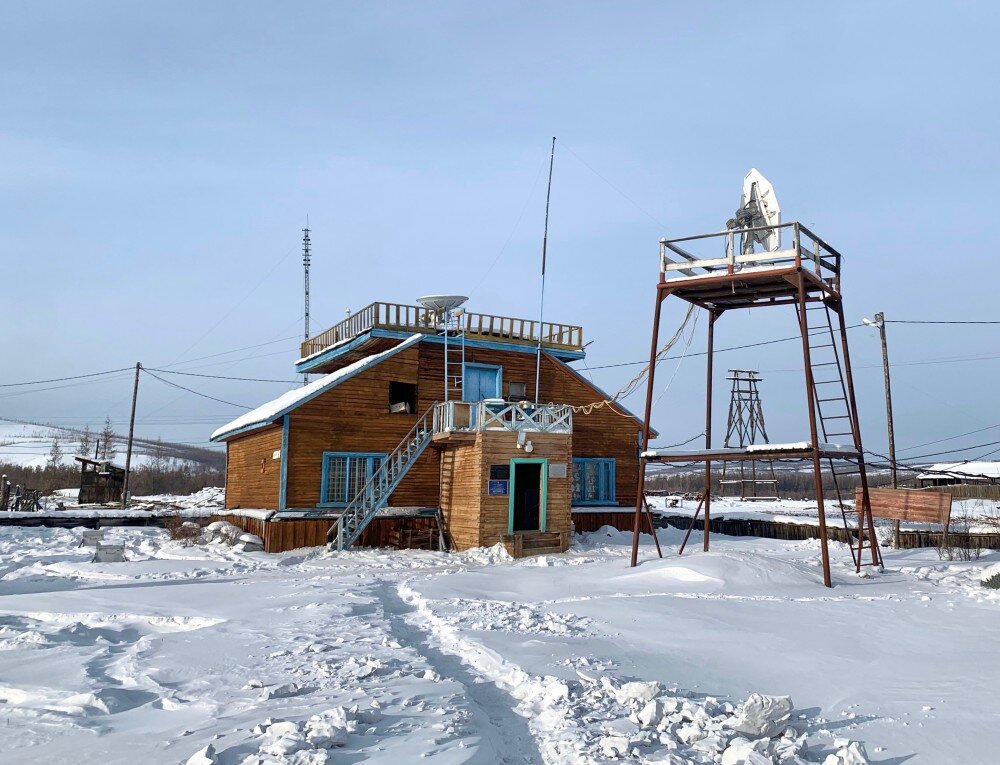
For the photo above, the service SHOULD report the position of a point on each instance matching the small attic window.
(517, 391)
(402, 397)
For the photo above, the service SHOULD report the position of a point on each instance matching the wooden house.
(413, 417)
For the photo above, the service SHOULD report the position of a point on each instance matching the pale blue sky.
(159, 161)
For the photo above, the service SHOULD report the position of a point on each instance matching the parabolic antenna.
(442, 303)
(758, 207)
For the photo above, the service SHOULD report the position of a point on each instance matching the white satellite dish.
(758, 207)
(442, 303)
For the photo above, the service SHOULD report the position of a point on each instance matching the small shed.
(101, 482)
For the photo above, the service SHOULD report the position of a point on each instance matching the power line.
(949, 438)
(921, 321)
(197, 393)
(723, 350)
(950, 451)
(223, 377)
(63, 379)
(237, 350)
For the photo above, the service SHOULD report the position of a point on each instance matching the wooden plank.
(908, 505)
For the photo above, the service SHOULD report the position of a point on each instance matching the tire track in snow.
(506, 734)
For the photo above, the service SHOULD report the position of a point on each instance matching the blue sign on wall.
(498, 487)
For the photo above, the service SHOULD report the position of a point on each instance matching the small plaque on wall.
(498, 487)
(557, 470)
(500, 473)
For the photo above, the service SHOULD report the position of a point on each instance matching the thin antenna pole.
(541, 299)
(306, 260)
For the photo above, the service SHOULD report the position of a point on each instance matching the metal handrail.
(413, 318)
(383, 481)
(474, 416)
(805, 247)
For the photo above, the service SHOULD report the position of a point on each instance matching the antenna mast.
(541, 299)
(306, 260)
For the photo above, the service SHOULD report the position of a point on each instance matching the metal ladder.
(836, 421)
(374, 495)
(454, 358)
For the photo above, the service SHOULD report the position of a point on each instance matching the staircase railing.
(374, 495)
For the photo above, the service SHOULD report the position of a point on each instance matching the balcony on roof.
(382, 324)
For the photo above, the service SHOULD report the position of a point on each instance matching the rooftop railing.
(413, 318)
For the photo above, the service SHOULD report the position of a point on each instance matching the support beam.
(708, 425)
(641, 488)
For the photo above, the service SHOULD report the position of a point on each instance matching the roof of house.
(270, 412)
(590, 384)
(988, 470)
(267, 413)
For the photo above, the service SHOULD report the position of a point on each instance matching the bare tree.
(55, 454)
(86, 441)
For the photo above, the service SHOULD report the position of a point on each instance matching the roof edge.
(323, 384)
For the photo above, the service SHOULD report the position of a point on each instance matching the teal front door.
(481, 381)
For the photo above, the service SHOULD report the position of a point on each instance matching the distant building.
(951, 473)
(101, 482)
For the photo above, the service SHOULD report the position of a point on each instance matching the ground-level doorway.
(528, 494)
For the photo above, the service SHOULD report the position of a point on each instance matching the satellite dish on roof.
(758, 208)
(442, 303)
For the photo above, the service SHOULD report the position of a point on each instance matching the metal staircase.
(837, 424)
(374, 495)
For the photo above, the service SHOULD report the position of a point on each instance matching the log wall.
(253, 476)
(354, 417)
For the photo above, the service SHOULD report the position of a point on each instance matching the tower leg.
(708, 426)
(640, 493)
(813, 435)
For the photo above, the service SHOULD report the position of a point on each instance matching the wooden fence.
(767, 529)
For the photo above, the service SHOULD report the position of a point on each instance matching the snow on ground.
(210, 654)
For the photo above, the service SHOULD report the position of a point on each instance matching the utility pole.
(880, 324)
(131, 433)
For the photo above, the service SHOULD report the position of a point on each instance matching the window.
(344, 475)
(402, 397)
(593, 481)
(517, 391)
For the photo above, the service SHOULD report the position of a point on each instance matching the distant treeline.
(791, 485)
(170, 478)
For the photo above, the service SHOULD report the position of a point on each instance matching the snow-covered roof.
(987, 470)
(272, 410)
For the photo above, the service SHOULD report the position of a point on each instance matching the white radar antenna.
(759, 209)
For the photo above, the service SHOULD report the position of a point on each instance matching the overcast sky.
(159, 160)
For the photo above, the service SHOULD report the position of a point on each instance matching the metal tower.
(745, 427)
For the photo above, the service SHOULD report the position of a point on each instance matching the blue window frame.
(593, 481)
(345, 474)
(481, 381)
